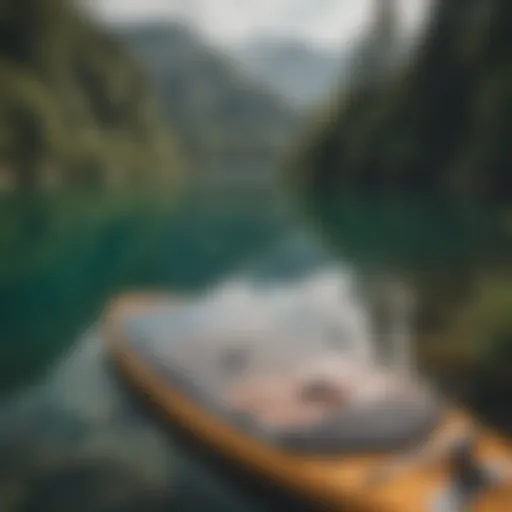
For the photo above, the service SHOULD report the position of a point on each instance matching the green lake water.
(72, 439)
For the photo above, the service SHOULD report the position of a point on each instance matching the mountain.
(75, 109)
(440, 127)
(302, 74)
(213, 105)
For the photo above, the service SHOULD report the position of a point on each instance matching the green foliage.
(436, 134)
(440, 127)
(74, 108)
(489, 324)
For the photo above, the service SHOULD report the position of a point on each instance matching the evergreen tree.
(440, 126)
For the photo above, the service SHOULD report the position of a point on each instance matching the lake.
(72, 438)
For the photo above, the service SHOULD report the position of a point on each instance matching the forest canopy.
(75, 110)
(439, 126)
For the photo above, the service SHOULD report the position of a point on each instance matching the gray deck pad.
(256, 377)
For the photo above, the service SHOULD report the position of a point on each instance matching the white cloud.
(330, 22)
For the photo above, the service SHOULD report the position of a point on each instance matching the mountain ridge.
(213, 104)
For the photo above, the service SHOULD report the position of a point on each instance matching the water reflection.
(63, 258)
(71, 438)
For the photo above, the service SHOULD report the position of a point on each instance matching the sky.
(328, 23)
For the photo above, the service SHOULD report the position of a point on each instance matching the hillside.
(214, 106)
(75, 110)
(302, 74)
(440, 127)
